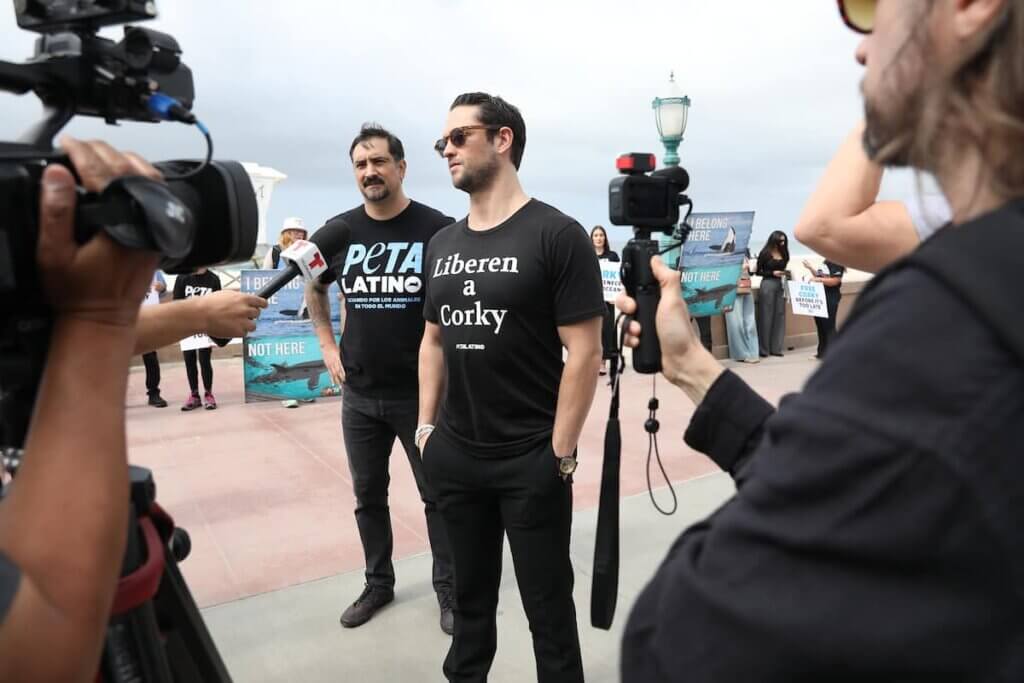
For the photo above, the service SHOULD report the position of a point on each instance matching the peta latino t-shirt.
(381, 278)
(188, 286)
(499, 296)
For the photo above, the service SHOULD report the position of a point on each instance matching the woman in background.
(831, 276)
(199, 283)
(739, 322)
(771, 304)
(609, 340)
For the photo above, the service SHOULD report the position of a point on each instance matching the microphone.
(306, 258)
(311, 258)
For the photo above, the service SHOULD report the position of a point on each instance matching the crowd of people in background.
(755, 326)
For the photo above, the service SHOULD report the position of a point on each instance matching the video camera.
(648, 203)
(205, 213)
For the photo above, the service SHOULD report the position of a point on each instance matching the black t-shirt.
(381, 278)
(10, 579)
(188, 286)
(834, 270)
(499, 296)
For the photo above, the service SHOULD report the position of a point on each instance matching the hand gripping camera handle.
(647, 356)
(641, 284)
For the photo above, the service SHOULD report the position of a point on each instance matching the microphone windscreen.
(332, 239)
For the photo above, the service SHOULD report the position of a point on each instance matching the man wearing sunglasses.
(381, 280)
(508, 288)
(876, 530)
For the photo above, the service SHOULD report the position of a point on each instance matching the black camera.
(648, 203)
(205, 213)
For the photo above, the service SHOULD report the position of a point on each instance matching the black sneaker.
(157, 401)
(366, 605)
(444, 600)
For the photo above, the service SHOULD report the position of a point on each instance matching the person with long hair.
(875, 530)
(609, 339)
(771, 302)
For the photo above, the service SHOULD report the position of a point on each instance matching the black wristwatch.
(566, 465)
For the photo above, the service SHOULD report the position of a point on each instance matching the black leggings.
(190, 369)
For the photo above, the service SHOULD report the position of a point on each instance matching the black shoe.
(777, 354)
(763, 355)
(157, 401)
(366, 605)
(444, 600)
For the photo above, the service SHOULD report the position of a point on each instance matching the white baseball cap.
(293, 223)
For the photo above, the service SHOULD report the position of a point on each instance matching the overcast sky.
(287, 84)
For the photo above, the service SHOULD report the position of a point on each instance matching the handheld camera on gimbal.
(203, 214)
(649, 203)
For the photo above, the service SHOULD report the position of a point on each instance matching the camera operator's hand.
(684, 362)
(230, 314)
(99, 281)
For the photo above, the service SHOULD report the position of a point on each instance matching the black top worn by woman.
(766, 266)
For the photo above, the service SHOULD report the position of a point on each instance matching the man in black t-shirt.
(507, 288)
(381, 280)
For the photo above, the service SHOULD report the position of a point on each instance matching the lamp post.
(670, 114)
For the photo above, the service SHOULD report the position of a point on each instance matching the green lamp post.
(670, 113)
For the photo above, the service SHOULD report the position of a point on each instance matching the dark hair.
(604, 232)
(495, 111)
(774, 242)
(375, 130)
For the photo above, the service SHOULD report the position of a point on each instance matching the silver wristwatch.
(566, 466)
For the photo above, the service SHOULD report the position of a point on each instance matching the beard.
(375, 192)
(479, 178)
(889, 133)
(894, 113)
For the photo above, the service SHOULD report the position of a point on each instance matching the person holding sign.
(831, 276)
(609, 341)
(771, 305)
(197, 347)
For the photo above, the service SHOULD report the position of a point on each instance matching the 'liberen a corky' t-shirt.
(499, 296)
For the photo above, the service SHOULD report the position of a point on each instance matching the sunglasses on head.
(457, 137)
(859, 15)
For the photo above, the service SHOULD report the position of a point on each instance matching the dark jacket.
(877, 533)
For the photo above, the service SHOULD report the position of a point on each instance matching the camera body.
(208, 215)
(648, 203)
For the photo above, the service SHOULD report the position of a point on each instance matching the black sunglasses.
(859, 15)
(457, 136)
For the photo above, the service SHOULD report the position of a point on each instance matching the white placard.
(808, 298)
(195, 342)
(610, 279)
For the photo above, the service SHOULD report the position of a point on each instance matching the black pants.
(152, 364)
(704, 327)
(190, 369)
(369, 427)
(481, 499)
(827, 326)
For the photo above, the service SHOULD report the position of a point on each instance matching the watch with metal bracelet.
(566, 465)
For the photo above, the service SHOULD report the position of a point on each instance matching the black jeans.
(190, 369)
(704, 326)
(481, 499)
(827, 326)
(152, 364)
(369, 427)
